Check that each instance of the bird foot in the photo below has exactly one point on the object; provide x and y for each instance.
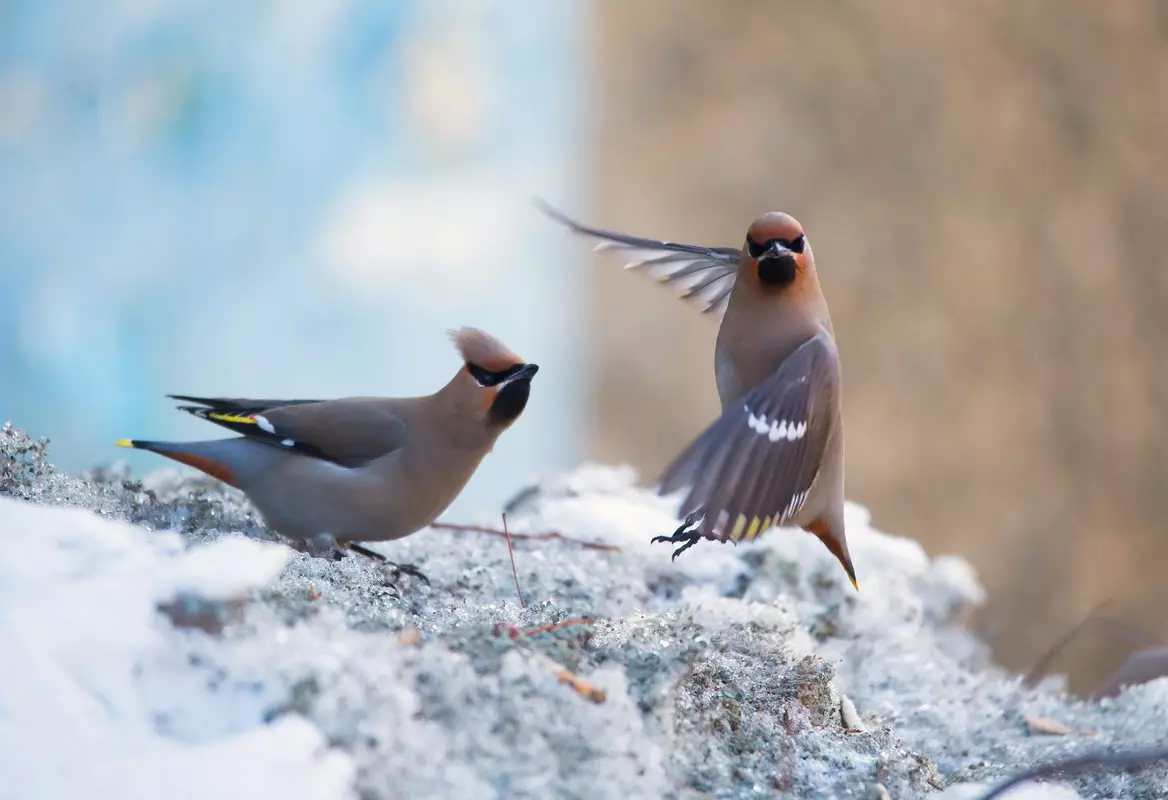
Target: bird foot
(409, 569)
(687, 534)
(323, 545)
(400, 569)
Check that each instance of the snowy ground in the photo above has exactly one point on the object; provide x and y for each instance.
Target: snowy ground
(182, 656)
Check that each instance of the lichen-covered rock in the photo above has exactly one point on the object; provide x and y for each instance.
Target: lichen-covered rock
(625, 676)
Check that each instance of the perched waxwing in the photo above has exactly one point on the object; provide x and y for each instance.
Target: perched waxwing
(331, 473)
(776, 455)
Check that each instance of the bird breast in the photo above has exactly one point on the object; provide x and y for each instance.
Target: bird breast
(730, 388)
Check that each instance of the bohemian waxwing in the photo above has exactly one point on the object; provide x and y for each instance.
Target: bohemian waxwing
(776, 455)
(330, 473)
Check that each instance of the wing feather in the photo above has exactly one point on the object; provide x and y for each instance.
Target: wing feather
(349, 432)
(759, 460)
(703, 274)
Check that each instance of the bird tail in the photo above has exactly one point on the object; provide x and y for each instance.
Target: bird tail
(193, 454)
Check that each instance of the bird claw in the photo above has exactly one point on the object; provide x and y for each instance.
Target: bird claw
(403, 569)
(400, 569)
(686, 534)
(411, 570)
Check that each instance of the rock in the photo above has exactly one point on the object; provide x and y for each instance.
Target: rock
(726, 674)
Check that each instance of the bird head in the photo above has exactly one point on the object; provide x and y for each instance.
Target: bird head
(497, 381)
(776, 252)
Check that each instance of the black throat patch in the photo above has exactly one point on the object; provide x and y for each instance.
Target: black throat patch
(778, 271)
(509, 402)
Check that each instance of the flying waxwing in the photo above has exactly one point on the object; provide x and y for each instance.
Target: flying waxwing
(330, 473)
(776, 455)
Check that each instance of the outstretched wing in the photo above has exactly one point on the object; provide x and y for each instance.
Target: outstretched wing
(703, 274)
(754, 466)
(349, 432)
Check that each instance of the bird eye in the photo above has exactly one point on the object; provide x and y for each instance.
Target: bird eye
(798, 243)
(754, 248)
(482, 377)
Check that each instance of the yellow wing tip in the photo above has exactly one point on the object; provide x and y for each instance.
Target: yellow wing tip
(124, 443)
(855, 583)
(238, 420)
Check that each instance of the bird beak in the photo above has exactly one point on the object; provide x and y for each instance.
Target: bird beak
(776, 250)
(524, 373)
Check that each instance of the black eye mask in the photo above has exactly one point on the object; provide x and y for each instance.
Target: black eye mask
(796, 245)
(488, 378)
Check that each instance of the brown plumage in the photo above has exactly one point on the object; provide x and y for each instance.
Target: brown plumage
(775, 456)
(361, 469)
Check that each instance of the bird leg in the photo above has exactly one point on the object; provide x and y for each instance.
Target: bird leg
(365, 551)
(400, 569)
(687, 532)
(323, 545)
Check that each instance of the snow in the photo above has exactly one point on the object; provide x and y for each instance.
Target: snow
(187, 654)
(1025, 791)
(89, 667)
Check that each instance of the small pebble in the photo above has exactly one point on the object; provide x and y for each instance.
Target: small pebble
(848, 716)
(1045, 726)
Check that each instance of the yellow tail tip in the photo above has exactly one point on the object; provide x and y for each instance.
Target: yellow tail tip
(855, 583)
(124, 443)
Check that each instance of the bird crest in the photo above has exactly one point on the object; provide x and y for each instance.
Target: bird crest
(483, 350)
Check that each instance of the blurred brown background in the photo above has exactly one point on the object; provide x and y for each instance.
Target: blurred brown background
(986, 186)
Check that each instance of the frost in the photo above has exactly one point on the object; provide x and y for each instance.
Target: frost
(190, 655)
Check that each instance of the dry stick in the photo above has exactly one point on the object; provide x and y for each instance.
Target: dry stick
(582, 687)
(1042, 666)
(511, 553)
(514, 631)
(1039, 670)
(1079, 764)
(1140, 667)
(539, 537)
(556, 626)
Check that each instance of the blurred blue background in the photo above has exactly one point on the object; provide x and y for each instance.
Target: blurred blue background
(283, 199)
(301, 197)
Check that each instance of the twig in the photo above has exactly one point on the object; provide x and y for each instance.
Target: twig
(582, 687)
(514, 631)
(1080, 764)
(511, 553)
(555, 626)
(1042, 666)
(539, 537)
(1140, 667)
